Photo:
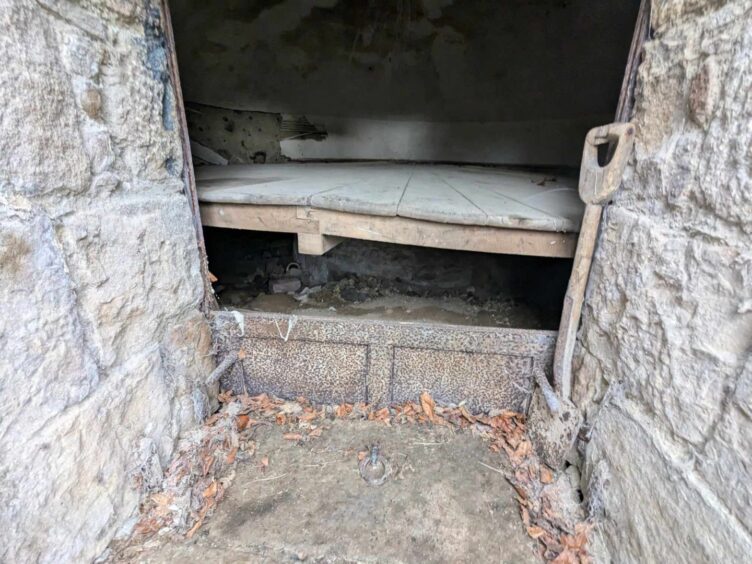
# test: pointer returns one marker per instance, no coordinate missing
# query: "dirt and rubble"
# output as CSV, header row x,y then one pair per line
x,y
272,480
373,298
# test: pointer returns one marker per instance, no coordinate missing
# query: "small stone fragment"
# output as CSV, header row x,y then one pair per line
x,y
284,285
91,102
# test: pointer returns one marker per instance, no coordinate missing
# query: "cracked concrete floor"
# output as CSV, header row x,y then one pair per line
x,y
441,504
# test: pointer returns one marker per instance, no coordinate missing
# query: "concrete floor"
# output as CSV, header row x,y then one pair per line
x,y
310,503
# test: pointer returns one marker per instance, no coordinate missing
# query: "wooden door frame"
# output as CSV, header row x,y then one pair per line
x,y
209,301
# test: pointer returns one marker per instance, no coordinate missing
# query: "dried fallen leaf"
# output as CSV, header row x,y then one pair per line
x,y
161,498
147,526
315,433
308,416
546,476
207,462
382,415
343,410
466,414
242,354
525,515
211,490
231,455
213,279
196,527
292,437
362,455
428,405
264,463
241,421
535,532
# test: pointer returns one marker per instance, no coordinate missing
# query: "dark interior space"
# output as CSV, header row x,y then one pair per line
x,y
262,271
515,82
501,84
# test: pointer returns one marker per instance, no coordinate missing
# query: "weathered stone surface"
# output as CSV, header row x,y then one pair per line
x,y
113,252
657,508
663,363
45,367
553,433
38,121
104,351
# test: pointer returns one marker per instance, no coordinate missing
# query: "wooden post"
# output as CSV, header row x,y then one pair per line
x,y
591,221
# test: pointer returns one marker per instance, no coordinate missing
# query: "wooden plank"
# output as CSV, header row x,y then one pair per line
x,y
209,302
373,189
641,33
280,219
430,197
314,244
405,231
398,230
591,224
437,193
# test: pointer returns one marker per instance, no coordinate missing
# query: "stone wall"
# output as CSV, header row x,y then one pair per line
x,y
103,345
664,365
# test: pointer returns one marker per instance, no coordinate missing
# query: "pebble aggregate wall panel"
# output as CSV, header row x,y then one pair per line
x,y
317,370
347,359
483,379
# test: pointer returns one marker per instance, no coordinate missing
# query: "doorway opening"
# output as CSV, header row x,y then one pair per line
x,y
421,124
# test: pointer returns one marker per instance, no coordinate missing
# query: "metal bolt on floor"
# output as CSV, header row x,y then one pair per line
x,y
374,468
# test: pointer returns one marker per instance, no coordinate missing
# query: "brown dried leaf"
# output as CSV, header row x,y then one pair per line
x,y
525,515
535,532
343,410
280,419
362,455
382,415
207,461
242,421
161,498
231,455
211,490
292,437
466,414
315,433
546,476
212,420
309,415
428,405
196,527
265,462
147,526
242,354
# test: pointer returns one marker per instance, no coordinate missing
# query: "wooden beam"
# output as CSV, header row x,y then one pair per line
x,y
314,244
327,229
209,302
405,231
281,219
592,226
